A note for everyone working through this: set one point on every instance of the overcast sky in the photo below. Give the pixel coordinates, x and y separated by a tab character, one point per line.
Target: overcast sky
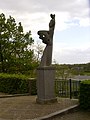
72	30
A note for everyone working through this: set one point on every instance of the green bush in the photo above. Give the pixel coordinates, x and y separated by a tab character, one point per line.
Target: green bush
32	86
16	84
84	98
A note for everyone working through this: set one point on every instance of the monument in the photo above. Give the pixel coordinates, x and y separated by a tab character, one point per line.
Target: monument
46	72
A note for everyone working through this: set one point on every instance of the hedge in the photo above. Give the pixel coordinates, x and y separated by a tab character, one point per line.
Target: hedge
84	98
17	84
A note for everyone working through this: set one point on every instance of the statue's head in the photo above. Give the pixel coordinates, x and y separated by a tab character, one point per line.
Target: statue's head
52	16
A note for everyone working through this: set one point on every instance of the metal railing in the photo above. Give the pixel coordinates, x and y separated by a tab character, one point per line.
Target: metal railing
67	88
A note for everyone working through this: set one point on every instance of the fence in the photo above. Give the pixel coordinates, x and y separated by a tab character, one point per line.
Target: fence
67	88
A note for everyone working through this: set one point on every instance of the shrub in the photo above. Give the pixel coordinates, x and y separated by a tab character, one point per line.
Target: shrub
16	84
32	86
84	98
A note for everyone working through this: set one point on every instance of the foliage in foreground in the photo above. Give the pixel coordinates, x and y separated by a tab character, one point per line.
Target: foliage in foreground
84	98
17	84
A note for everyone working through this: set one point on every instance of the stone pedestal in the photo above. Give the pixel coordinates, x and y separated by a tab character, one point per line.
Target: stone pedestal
45	85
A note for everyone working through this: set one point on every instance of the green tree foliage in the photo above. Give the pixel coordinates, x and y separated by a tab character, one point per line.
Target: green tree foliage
16	54
84	98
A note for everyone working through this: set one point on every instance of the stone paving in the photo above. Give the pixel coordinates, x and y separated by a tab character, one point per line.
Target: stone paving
78	115
26	108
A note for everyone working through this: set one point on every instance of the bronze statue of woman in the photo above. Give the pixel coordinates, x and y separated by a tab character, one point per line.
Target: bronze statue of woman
47	35
47	38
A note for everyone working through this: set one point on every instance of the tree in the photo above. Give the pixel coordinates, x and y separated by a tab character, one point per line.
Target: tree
16	54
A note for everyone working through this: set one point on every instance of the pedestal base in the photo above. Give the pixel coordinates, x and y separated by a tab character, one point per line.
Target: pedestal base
46	101
45	85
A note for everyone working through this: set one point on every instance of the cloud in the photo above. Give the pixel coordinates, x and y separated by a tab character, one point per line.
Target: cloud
85	22
20	6
34	14
72	56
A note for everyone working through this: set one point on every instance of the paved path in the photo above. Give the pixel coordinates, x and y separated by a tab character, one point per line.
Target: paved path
79	115
26	108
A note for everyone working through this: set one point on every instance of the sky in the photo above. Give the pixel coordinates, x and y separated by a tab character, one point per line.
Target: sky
71	43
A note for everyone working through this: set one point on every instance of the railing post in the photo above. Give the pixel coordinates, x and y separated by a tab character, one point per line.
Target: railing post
70	88
30	87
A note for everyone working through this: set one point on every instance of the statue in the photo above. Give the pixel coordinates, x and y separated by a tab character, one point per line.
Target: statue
46	72
47	38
